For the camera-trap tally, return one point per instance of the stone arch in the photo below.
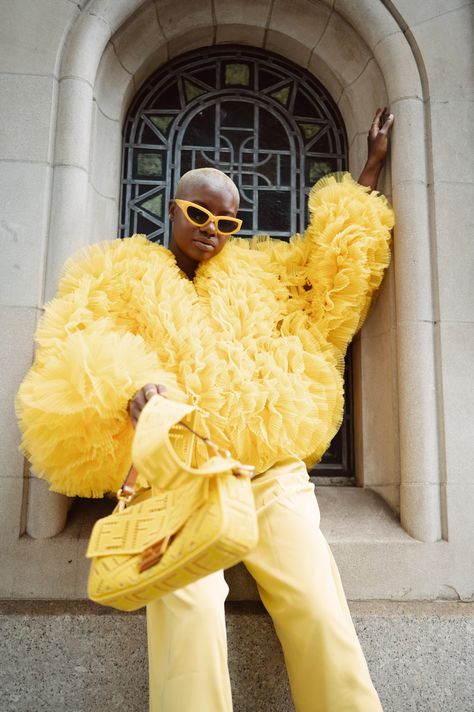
(362, 56)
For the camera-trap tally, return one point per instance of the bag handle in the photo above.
(127, 490)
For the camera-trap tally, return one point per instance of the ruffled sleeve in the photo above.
(349, 249)
(72, 405)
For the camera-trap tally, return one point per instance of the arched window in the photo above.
(268, 124)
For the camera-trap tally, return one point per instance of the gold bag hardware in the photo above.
(188, 524)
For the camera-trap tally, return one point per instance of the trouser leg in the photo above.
(300, 586)
(187, 649)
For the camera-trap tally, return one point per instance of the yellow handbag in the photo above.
(188, 524)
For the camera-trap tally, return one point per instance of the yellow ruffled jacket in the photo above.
(257, 340)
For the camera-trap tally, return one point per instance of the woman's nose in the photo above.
(210, 228)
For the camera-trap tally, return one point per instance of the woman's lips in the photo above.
(204, 245)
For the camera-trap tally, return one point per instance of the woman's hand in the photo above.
(378, 141)
(141, 398)
(377, 138)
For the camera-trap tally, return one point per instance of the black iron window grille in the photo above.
(268, 124)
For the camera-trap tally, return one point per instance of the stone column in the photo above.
(415, 282)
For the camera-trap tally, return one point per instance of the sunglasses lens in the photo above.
(228, 226)
(196, 215)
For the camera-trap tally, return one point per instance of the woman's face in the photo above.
(198, 244)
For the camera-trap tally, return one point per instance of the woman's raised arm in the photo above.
(377, 140)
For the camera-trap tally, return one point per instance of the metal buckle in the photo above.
(153, 553)
(124, 498)
(244, 471)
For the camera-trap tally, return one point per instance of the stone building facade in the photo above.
(69, 70)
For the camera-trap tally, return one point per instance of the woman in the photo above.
(254, 332)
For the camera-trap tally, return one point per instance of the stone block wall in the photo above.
(68, 71)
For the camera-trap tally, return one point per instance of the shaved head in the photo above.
(206, 176)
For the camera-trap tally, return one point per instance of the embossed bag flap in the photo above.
(140, 524)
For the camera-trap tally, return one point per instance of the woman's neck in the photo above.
(185, 263)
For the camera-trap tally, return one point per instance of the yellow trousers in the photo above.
(300, 587)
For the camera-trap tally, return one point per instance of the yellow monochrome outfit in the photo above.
(256, 340)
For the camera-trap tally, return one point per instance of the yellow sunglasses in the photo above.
(199, 216)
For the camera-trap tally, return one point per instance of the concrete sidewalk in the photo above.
(73, 656)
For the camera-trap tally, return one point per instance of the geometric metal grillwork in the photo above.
(268, 124)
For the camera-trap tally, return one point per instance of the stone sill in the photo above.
(377, 559)
(348, 514)
(356, 515)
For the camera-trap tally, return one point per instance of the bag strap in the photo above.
(127, 490)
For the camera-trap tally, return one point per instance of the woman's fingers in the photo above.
(381, 123)
(387, 124)
(150, 390)
(141, 398)
(375, 125)
(134, 411)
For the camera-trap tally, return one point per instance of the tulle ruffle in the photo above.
(72, 408)
(350, 235)
(256, 340)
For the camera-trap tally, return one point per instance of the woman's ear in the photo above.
(171, 210)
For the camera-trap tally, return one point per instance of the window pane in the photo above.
(282, 95)
(154, 205)
(267, 123)
(201, 130)
(237, 74)
(319, 168)
(149, 165)
(237, 113)
(272, 133)
(163, 123)
(273, 211)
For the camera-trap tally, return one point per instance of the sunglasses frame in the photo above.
(183, 205)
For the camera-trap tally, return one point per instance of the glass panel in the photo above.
(241, 142)
(237, 113)
(186, 161)
(148, 135)
(142, 190)
(192, 90)
(201, 129)
(149, 165)
(274, 211)
(246, 179)
(285, 170)
(208, 76)
(334, 454)
(168, 98)
(322, 144)
(154, 205)
(244, 202)
(237, 74)
(203, 161)
(309, 130)
(163, 123)
(145, 226)
(247, 217)
(267, 79)
(317, 169)
(282, 95)
(271, 131)
(267, 166)
(306, 107)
